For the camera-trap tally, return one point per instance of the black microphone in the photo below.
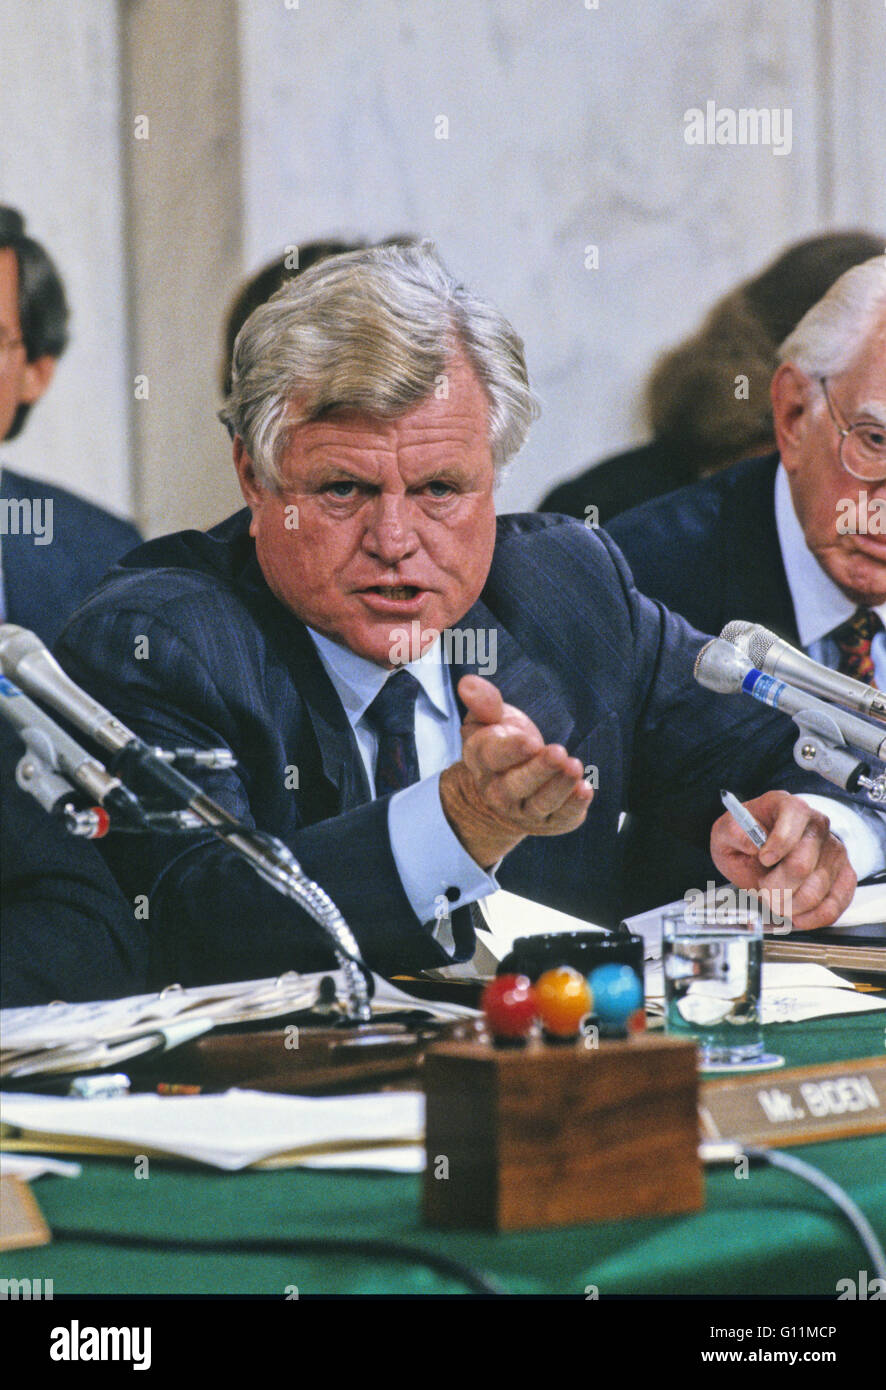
(771, 654)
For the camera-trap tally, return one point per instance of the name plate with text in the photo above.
(801, 1106)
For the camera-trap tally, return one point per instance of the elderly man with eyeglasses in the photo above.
(795, 541)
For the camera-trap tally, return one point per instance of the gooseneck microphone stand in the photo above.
(144, 789)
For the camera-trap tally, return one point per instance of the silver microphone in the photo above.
(52, 746)
(722, 667)
(778, 658)
(27, 662)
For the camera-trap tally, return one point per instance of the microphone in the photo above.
(772, 654)
(722, 667)
(26, 661)
(24, 658)
(54, 761)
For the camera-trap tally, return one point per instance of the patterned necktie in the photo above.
(854, 640)
(392, 717)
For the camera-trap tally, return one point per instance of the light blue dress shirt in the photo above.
(819, 606)
(437, 873)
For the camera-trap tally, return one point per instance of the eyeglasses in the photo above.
(862, 446)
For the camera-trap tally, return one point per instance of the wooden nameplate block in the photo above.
(551, 1135)
(834, 1100)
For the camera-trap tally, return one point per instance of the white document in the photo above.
(229, 1131)
(868, 907)
(30, 1166)
(511, 916)
(791, 992)
(410, 1158)
(50, 1026)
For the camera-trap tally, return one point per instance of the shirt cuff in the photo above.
(437, 873)
(862, 830)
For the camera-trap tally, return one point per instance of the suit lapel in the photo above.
(36, 590)
(523, 682)
(339, 755)
(756, 587)
(340, 760)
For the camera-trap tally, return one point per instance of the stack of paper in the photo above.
(790, 993)
(239, 1129)
(868, 907)
(63, 1038)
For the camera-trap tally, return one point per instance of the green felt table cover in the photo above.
(767, 1234)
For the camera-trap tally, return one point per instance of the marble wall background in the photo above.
(61, 165)
(276, 121)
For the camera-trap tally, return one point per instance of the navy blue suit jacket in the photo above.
(43, 584)
(710, 551)
(185, 642)
(67, 931)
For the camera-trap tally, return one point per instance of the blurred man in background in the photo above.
(67, 932)
(54, 546)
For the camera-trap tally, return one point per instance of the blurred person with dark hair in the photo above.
(267, 281)
(701, 419)
(67, 932)
(54, 546)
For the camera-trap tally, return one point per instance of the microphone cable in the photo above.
(725, 1152)
(394, 1250)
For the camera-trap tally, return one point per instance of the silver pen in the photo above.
(749, 824)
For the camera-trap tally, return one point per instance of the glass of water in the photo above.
(712, 962)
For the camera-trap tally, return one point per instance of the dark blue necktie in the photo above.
(392, 717)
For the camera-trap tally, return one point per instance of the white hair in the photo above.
(830, 336)
(370, 330)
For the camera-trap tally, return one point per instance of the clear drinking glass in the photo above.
(712, 963)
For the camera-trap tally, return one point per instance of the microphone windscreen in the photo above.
(752, 639)
(760, 644)
(734, 630)
(15, 643)
(721, 667)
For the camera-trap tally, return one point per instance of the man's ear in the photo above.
(791, 412)
(35, 379)
(253, 492)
